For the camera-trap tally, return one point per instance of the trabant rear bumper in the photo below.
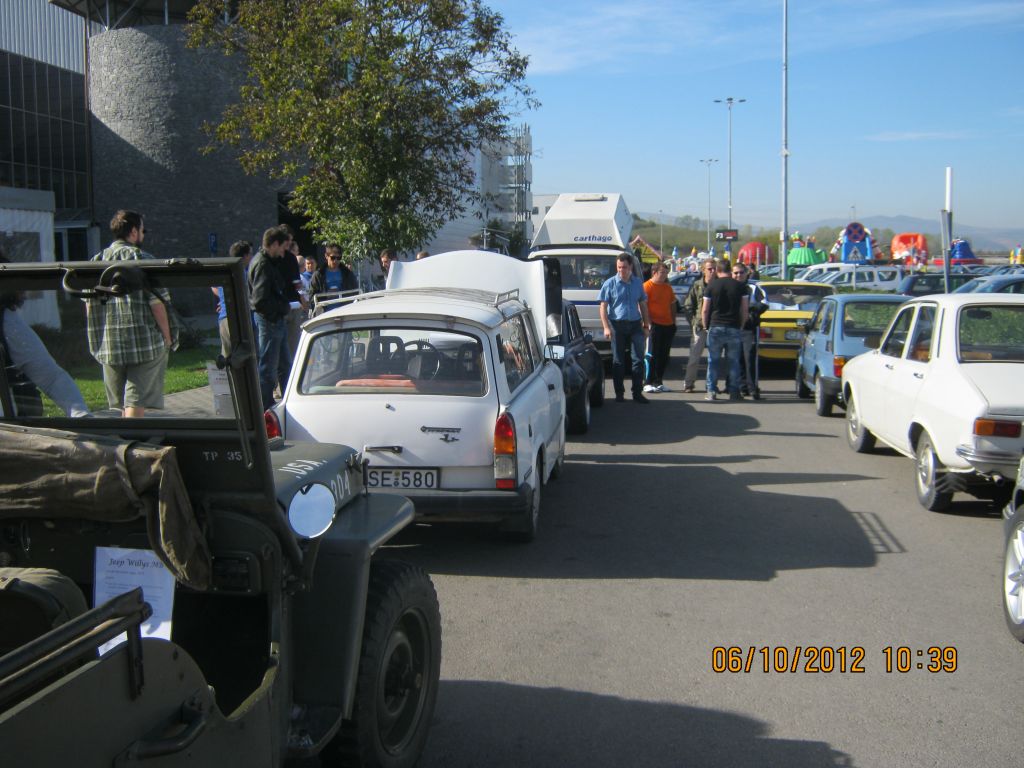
(464, 506)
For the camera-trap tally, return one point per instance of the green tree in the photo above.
(371, 109)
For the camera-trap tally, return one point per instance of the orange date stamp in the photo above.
(826, 659)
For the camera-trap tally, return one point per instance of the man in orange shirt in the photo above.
(661, 305)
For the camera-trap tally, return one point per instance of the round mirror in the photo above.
(311, 511)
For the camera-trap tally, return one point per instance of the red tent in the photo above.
(755, 252)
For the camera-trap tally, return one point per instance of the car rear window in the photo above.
(800, 296)
(394, 360)
(866, 318)
(991, 333)
(588, 272)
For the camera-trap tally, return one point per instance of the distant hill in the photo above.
(996, 239)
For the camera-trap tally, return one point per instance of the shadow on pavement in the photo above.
(619, 520)
(498, 724)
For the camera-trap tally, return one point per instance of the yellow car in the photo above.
(780, 337)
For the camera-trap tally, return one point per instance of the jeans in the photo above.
(627, 335)
(273, 355)
(661, 346)
(749, 359)
(723, 337)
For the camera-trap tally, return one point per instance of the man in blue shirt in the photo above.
(626, 322)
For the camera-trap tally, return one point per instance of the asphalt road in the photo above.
(684, 526)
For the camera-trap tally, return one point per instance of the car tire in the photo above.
(858, 436)
(399, 667)
(801, 388)
(597, 388)
(559, 465)
(578, 413)
(527, 531)
(822, 402)
(1013, 575)
(929, 477)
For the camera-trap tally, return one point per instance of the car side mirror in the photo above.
(803, 324)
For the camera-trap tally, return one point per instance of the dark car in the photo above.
(1002, 283)
(582, 369)
(927, 283)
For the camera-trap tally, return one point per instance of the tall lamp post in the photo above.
(728, 103)
(707, 162)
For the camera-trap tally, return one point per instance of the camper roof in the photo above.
(590, 219)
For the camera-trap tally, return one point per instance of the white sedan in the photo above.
(944, 387)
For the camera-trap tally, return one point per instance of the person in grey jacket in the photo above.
(699, 334)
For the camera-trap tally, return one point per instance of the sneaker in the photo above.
(735, 396)
(689, 388)
(620, 397)
(650, 388)
(745, 392)
(711, 395)
(756, 394)
(662, 388)
(639, 398)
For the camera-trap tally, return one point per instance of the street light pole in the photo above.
(728, 103)
(708, 163)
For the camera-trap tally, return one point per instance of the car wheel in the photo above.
(822, 402)
(1013, 575)
(527, 532)
(399, 667)
(857, 435)
(929, 477)
(559, 465)
(578, 413)
(801, 388)
(597, 390)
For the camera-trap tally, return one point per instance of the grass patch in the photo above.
(186, 369)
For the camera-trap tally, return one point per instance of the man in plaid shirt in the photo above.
(130, 336)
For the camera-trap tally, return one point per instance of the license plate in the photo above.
(406, 479)
(794, 335)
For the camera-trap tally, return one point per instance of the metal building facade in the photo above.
(38, 30)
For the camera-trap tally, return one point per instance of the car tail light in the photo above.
(764, 332)
(837, 366)
(996, 428)
(272, 424)
(505, 452)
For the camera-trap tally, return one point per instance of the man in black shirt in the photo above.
(724, 313)
(268, 296)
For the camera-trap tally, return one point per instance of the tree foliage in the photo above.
(371, 109)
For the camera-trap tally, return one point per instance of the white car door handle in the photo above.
(888, 367)
(918, 375)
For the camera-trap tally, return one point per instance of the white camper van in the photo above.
(586, 232)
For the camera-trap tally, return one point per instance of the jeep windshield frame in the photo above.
(226, 458)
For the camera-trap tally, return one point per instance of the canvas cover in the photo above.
(51, 474)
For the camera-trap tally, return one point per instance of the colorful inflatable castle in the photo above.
(855, 245)
(756, 254)
(911, 248)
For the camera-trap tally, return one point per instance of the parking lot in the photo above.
(690, 526)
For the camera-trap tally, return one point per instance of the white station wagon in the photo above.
(446, 390)
(945, 387)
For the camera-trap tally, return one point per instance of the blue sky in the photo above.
(882, 97)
